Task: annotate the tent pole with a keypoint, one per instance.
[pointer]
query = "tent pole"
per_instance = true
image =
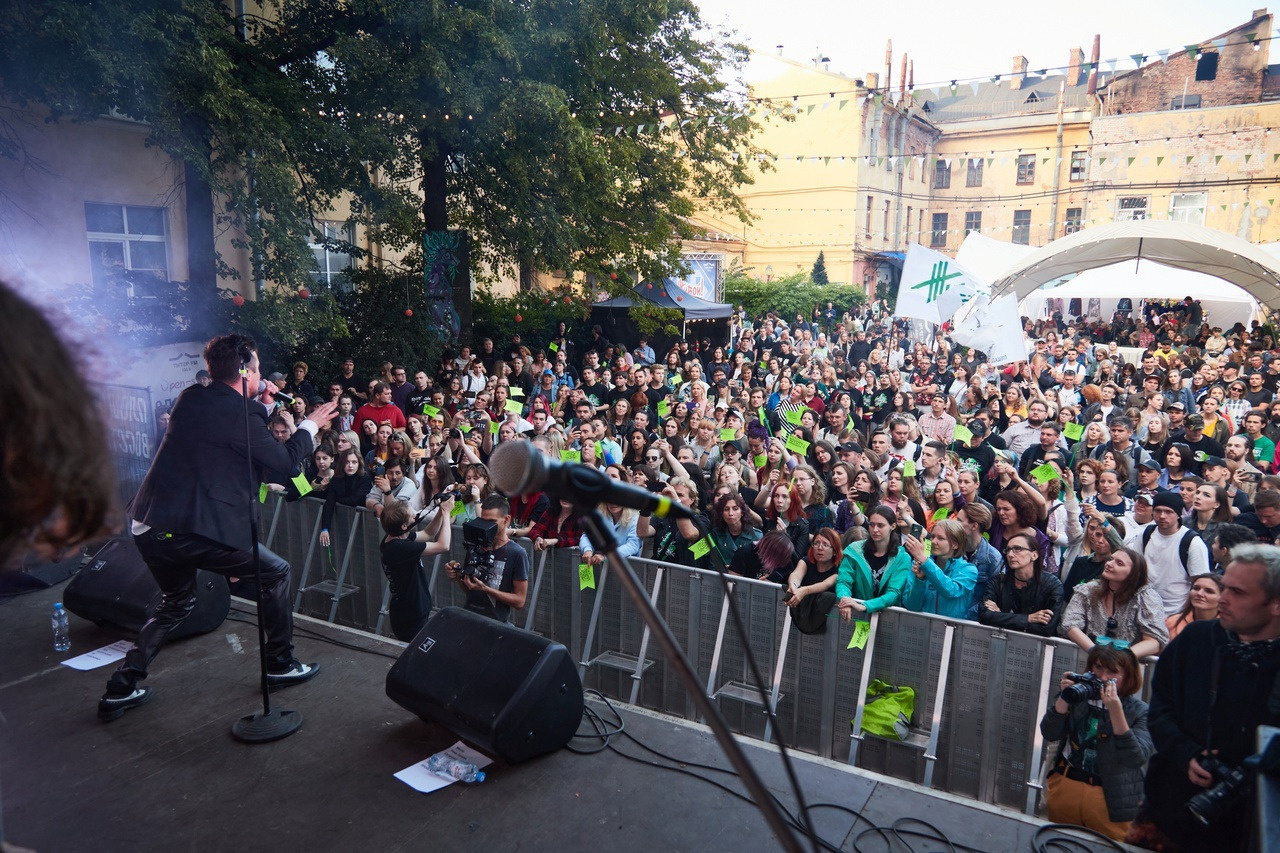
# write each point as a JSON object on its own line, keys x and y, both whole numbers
{"x": 1138, "y": 259}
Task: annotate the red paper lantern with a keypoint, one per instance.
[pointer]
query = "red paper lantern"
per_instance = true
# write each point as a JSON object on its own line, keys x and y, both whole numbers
{"x": 567, "y": 300}
{"x": 304, "y": 293}
{"x": 408, "y": 312}
{"x": 237, "y": 300}
{"x": 613, "y": 275}
{"x": 519, "y": 319}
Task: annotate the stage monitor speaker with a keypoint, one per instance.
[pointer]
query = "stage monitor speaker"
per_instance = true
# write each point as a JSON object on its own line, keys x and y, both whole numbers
{"x": 116, "y": 588}
{"x": 512, "y": 694}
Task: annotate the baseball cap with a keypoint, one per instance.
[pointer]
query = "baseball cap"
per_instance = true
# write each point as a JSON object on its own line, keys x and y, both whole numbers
{"x": 1176, "y": 404}
{"x": 1195, "y": 421}
{"x": 1151, "y": 465}
{"x": 850, "y": 447}
{"x": 978, "y": 427}
{"x": 1215, "y": 461}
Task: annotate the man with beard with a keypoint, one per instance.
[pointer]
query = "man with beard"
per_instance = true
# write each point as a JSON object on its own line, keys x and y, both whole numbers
{"x": 1023, "y": 435}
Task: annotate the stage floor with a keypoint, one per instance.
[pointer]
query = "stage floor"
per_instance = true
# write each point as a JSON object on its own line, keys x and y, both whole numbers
{"x": 168, "y": 776}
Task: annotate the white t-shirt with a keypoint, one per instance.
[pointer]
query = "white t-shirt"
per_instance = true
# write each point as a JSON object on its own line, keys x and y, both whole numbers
{"x": 1164, "y": 567}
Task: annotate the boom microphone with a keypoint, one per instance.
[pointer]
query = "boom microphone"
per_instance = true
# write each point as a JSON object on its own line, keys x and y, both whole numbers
{"x": 518, "y": 468}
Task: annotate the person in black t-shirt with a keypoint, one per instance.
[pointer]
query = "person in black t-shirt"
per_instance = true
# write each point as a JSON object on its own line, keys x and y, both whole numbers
{"x": 402, "y": 553}
{"x": 507, "y": 585}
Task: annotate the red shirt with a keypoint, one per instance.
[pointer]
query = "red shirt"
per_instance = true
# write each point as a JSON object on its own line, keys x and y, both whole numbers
{"x": 390, "y": 412}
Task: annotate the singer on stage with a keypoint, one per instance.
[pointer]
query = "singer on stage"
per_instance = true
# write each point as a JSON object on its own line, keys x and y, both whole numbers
{"x": 193, "y": 511}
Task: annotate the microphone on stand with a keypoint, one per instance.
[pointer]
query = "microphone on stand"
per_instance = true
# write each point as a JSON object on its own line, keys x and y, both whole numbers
{"x": 518, "y": 468}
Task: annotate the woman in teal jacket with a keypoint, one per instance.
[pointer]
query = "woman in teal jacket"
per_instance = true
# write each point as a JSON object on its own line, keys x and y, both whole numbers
{"x": 941, "y": 582}
{"x": 873, "y": 572}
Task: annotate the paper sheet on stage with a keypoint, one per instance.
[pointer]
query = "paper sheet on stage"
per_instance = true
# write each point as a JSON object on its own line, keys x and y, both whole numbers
{"x": 421, "y": 779}
{"x": 99, "y": 657}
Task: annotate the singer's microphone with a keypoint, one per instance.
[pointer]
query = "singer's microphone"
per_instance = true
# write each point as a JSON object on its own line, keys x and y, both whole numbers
{"x": 518, "y": 468}
{"x": 262, "y": 388}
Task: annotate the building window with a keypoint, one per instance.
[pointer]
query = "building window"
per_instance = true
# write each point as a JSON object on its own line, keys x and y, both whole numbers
{"x": 1185, "y": 102}
{"x": 871, "y": 203}
{"x": 886, "y": 220}
{"x": 1129, "y": 208}
{"x": 942, "y": 175}
{"x": 909, "y": 237}
{"x": 973, "y": 175}
{"x": 1022, "y": 227}
{"x": 938, "y": 237}
{"x": 1079, "y": 165}
{"x": 126, "y": 238}
{"x": 972, "y": 221}
{"x": 1075, "y": 219}
{"x": 1188, "y": 207}
{"x": 332, "y": 264}
{"x": 1026, "y": 168}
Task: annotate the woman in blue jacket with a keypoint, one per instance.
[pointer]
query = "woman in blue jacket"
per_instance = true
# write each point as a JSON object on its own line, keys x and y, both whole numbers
{"x": 942, "y": 582}
{"x": 873, "y": 572}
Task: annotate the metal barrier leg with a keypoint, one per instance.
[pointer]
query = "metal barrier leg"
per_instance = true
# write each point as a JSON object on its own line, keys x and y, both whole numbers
{"x": 585, "y": 660}
{"x": 1034, "y": 785}
{"x": 435, "y": 572}
{"x": 346, "y": 563}
{"x": 777, "y": 675}
{"x": 939, "y": 695}
{"x": 386, "y": 604}
{"x": 715, "y": 655}
{"x": 306, "y": 563}
{"x": 575, "y": 611}
{"x": 868, "y": 654}
{"x": 275, "y": 520}
{"x": 644, "y": 641}
{"x": 532, "y": 602}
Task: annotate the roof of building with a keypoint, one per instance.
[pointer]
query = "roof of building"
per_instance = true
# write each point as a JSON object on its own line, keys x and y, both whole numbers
{"x": 1036, "y": 94}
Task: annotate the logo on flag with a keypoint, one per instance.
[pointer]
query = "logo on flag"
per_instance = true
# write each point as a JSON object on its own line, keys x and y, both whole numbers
{"x": 938, "y": 282}
{"x": 933, "y": 286}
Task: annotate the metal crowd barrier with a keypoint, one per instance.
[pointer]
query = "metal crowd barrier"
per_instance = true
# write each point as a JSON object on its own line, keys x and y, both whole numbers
{"x": 980, "y": 691}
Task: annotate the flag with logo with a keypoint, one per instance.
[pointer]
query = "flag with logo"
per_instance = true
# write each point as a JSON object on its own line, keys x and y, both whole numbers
{"x": 994, "y": 328}
{"x": 933, "y": 286}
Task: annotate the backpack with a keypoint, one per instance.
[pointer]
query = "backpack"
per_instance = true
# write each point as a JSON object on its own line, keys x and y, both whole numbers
{"x": 1184, "y": 546}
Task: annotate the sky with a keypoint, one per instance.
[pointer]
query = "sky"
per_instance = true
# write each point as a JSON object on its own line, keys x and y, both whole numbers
{"x": 956, "y": 40}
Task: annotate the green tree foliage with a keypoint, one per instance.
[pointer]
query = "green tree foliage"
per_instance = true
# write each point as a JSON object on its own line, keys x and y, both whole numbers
{"x": 788, "y": 296}
{"x": 494, "y": 116}
{"x": 288, "y": 327}
{"x": 819, "y": 274}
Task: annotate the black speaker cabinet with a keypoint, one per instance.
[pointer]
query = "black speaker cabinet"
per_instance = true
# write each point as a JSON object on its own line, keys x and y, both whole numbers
{"x": 510, "y": 693}
{"x": 115, "y": 587}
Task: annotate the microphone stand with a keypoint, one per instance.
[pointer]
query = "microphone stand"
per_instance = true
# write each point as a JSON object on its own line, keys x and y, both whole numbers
{"x": 268, "y": 725}
{"x": 602, "y": 536}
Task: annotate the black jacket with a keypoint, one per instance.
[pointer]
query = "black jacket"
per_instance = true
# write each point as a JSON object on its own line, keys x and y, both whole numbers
{"x": 1120, "y": 757}
{"x": 199, "y": 481}
{"x": 1017, "y": 604}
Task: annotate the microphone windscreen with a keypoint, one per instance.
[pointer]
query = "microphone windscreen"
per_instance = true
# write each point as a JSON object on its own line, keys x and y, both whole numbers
{"x": 511, "y": 466}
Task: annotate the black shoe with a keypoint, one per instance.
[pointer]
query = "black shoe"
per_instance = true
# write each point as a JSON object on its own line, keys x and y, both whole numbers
{"x": 296, "y": 673}
{"x": 111, "y": 707}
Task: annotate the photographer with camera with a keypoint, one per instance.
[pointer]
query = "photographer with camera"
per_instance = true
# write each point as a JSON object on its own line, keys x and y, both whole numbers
{"x": 402, "y": 553}
{"x": 495, "y": 573}
{"x": 1213, "y": 686}
{"x": 1101, "y": 727}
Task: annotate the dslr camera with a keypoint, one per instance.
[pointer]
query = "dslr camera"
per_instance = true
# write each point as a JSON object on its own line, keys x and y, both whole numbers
{"x": 1087, "y": 686}
{"x": 1230, "y": 784}
{"x": 477, "y": 538}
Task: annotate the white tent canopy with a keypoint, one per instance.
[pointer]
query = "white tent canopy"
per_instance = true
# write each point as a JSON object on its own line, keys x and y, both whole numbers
{"x": 1175, "y": 244}
{"x": 1224, "y": 304}
{"x": 987, "y": 259}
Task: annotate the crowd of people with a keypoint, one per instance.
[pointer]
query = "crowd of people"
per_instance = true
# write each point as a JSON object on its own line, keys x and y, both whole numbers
{"x": 1078, "y": 493}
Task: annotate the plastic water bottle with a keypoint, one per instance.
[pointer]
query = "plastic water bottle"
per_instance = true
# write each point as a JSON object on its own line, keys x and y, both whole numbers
{"x": 463, "y": 771}
{"x": 61, "y": 628}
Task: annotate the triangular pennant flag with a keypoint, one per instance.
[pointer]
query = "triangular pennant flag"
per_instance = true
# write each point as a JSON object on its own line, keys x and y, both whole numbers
{"x": 639, "y": 129}
{"x": 1131, "y": 159}
{"x": 826, "y": 161}
{"x": 975, "y": 87}
{"x": 1110, "y": 64}
{"x": 1189, "y": 159}
{"x": 1159, "y": 160}
{"x": 809, "y": 111}
{"x": 1138, "y": 59}
{"x": 842, "y": 103}
{"x": 1217, "y": 158}
{"x": 1086, "y": 67}
{"x": 1044, "y": 161}
{"x": 1224, "y": 207}
{"x": 1252, "y": 37}
{"x": 1163, "y": 55}
{"x": 1220, "y": 43}
{"x": 1191, "y": 49}
{"x": 1246, "y": 157}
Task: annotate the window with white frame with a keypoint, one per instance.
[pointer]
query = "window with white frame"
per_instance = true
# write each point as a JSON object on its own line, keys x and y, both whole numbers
{"x": 332, "y": 264}
{"x": 1188, "y": 207}
{"x": 126, "y": 238}
{"x": 1131, "y": 207}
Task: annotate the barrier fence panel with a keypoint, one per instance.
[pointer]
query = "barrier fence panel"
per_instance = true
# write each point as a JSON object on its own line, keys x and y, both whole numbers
{"x": 977, "y": 736}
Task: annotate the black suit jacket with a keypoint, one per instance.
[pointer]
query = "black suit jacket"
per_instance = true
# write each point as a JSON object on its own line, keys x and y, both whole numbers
{"x": 199, "y": 481}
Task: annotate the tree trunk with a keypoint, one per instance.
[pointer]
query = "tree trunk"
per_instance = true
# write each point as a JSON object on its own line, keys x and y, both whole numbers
{"x": 447, "y": 285}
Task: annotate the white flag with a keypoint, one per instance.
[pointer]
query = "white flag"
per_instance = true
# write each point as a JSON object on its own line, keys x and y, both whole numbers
{"x": 933, "y": 286}
{"x": 993, "y": 328}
